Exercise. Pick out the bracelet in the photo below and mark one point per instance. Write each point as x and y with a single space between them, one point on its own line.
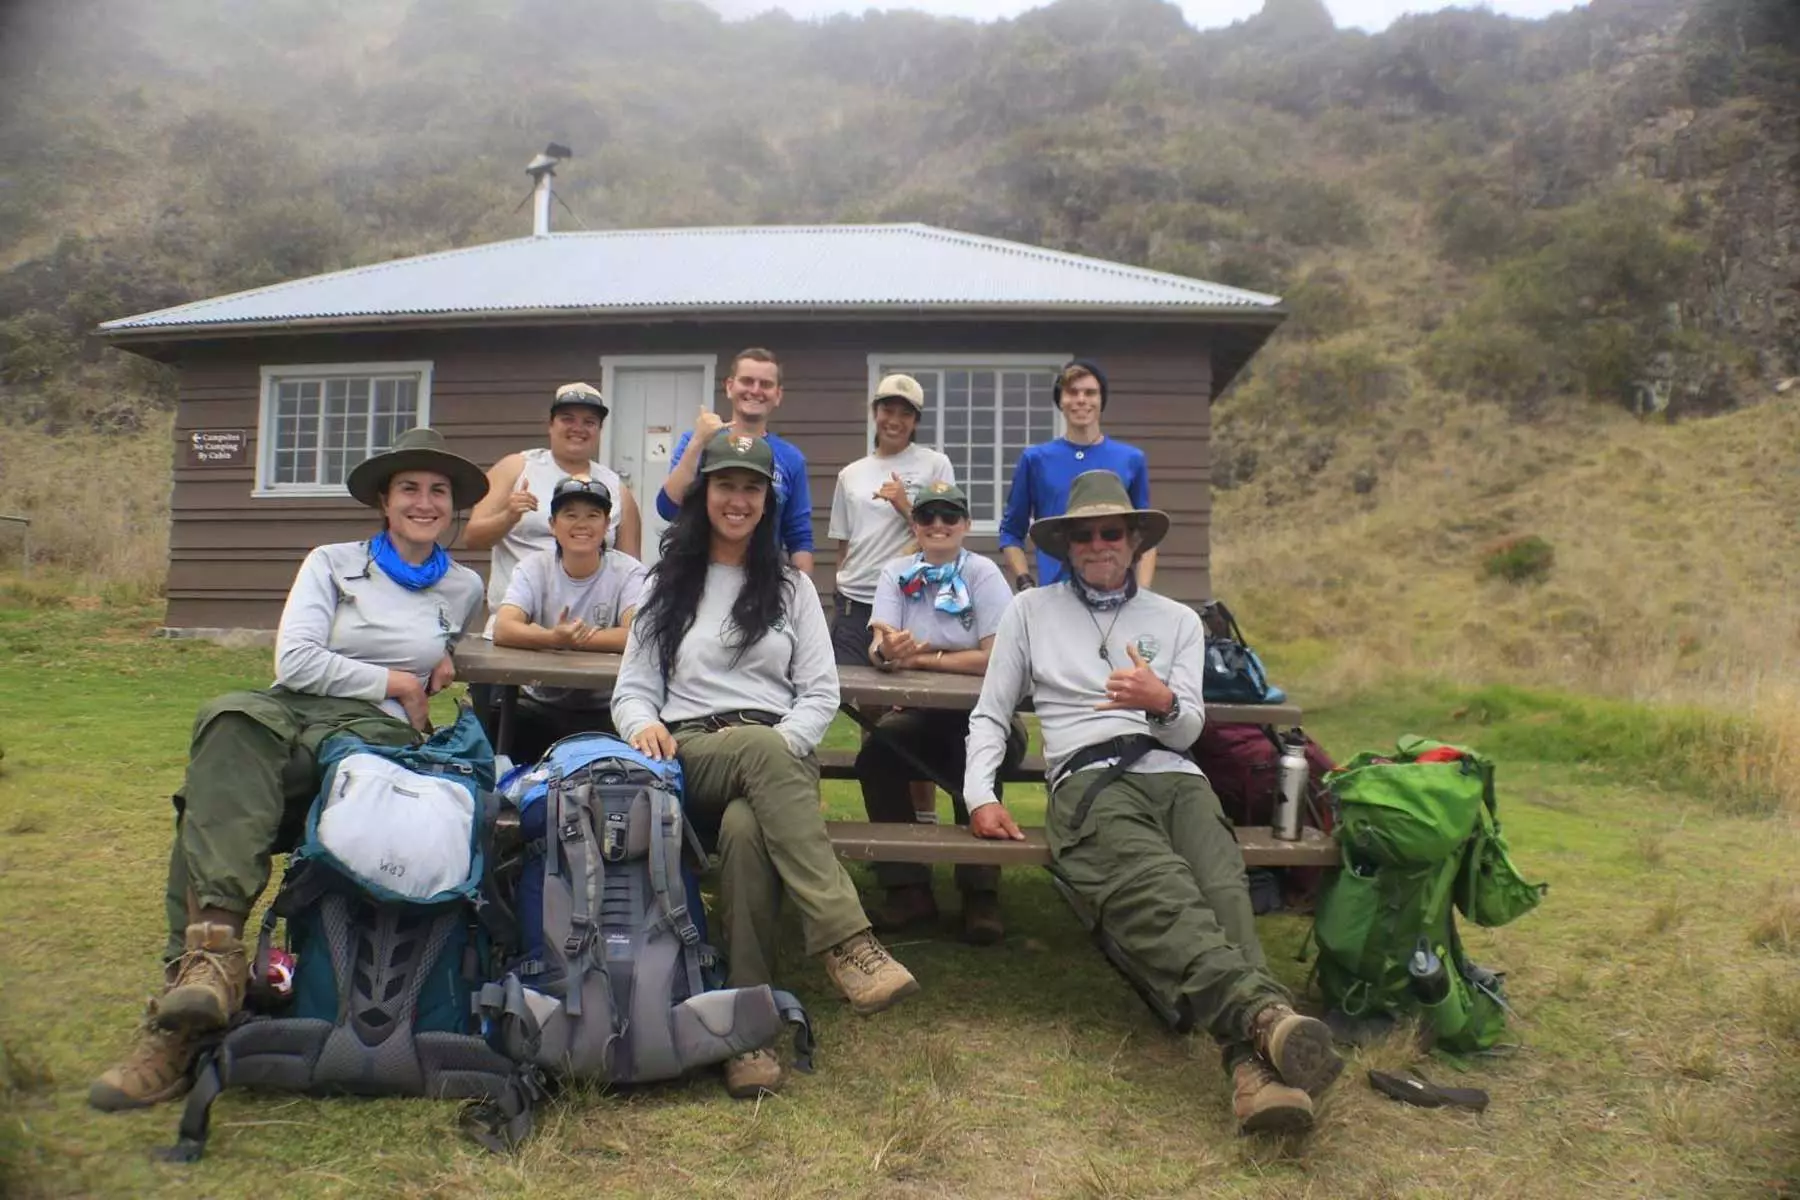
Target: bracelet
940 658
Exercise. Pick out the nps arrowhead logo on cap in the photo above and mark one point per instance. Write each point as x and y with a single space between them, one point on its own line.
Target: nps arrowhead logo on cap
729 448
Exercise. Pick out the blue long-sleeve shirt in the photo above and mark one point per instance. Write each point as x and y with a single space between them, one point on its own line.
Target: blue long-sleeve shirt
1040 488
793 494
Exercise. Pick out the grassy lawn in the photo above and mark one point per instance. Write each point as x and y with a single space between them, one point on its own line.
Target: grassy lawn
1656 1054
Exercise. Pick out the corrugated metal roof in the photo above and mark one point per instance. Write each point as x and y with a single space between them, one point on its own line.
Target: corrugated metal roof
834 267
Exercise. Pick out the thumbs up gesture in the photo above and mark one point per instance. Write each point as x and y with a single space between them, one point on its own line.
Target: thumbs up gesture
521 500
894 492
1136 687
706 425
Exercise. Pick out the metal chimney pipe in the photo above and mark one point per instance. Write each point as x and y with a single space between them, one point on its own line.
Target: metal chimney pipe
540 202
542 170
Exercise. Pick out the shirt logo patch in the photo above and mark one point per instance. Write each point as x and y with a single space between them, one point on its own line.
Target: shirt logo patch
1148 647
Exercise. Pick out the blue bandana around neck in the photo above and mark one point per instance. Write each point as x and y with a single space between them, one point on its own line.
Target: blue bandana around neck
414 578
1099 600
953 593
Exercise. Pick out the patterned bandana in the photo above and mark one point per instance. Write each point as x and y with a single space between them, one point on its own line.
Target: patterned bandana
953 593
407 575
1103 601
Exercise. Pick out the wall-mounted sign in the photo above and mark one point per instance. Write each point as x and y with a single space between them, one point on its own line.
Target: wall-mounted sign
657 440
217 447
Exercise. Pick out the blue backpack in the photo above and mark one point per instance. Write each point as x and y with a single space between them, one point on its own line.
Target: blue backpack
384 903
1234 673
615 981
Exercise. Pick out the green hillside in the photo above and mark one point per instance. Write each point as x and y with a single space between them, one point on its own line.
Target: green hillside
1542 273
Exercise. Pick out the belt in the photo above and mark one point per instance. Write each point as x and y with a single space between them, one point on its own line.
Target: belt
1127 749
728 720
844 605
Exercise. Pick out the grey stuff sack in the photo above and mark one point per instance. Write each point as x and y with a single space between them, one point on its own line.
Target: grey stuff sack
619 985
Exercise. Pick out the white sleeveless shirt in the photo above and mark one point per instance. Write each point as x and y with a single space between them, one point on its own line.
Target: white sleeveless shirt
532 533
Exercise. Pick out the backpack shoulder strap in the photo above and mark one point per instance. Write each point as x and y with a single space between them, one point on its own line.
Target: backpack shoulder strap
666 882
568 830
794 1013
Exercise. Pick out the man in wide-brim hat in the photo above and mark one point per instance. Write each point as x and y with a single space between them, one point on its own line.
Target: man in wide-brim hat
1114 673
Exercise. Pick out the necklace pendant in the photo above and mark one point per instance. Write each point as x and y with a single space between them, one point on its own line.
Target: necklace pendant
1080 454
1105 654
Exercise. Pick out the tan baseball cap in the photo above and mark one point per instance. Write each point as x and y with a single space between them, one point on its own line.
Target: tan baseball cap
900 387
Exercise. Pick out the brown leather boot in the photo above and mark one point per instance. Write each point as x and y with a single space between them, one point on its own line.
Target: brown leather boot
981 923
1264 1104
207 983
748 1076
1298 1047
159 1068
905 907
867 974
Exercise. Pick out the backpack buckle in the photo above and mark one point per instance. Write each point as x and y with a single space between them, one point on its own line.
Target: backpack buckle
613 847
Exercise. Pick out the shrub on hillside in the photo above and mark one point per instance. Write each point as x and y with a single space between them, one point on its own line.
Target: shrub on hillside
1525 559
1474 225
1323 303
1587 309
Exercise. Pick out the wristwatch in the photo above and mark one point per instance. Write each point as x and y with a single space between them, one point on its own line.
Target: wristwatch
1023 582
1169 717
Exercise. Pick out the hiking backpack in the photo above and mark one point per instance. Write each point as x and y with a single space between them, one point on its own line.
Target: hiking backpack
1233 673
383 905
616 982
1419 833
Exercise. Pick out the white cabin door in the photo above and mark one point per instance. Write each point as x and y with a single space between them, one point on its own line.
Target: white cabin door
652 401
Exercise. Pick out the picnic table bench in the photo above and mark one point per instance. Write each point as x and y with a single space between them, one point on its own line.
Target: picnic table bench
865 690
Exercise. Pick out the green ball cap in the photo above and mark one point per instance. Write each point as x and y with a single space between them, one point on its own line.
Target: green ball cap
730 448
946 495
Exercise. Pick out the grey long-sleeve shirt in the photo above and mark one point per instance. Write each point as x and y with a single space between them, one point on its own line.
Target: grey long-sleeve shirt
790 671
346 624
1048 646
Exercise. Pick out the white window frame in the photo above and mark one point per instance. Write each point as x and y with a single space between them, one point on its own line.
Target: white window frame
265 488
609 368
885 363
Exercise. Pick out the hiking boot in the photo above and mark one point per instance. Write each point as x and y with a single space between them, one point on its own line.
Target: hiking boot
867 974
1264 1104
207 982
748 1076
159 1067
981 923
1299 1048
905 907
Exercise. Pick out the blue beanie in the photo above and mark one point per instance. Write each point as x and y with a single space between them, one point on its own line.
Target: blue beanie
1092 368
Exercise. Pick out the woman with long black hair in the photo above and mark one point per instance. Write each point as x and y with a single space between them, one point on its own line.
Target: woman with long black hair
729 668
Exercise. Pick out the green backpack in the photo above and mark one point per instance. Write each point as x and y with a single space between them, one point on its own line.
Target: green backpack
1417 839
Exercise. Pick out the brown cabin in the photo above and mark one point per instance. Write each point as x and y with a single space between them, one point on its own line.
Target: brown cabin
284 389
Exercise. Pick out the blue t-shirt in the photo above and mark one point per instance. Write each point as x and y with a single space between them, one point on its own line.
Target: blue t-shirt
793 495
1040 488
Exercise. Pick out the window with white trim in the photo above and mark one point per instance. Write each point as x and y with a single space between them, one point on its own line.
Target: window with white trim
320 420
982 412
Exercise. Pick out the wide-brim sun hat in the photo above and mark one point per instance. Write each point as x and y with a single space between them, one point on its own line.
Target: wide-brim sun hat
420 449
1098 494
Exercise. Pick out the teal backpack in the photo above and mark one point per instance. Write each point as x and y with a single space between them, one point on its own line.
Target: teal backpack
1419 836
390 953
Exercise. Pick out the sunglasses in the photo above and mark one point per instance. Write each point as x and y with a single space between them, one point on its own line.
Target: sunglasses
593 489
937 515
1113 533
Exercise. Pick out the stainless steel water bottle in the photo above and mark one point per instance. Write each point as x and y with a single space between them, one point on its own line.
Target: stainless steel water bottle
1291 807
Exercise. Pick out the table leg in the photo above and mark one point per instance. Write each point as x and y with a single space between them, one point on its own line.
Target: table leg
509 710
907 756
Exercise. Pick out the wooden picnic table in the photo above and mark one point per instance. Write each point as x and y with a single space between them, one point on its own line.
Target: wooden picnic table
864 690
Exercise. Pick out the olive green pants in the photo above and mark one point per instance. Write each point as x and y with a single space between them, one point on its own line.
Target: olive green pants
252 775
764 803
1158 861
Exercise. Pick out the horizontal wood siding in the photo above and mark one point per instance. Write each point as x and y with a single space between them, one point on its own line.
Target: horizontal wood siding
232 556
